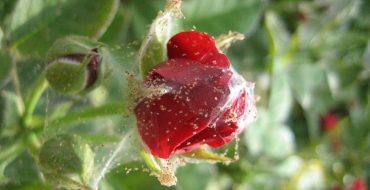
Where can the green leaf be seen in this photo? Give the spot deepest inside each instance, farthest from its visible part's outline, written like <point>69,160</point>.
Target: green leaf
<point>281,99</point>
<point>153,48</point>
<point>279,141</point>
<point>26,186</point>
<point>23,168</point>
<point>199,178</point>
<point>219,16</point>
<point>6,6</point>
<point>131,176</point>
<point>309,82</point>
<point>9,152</point>
<point>279,35</point>
<point>5,66</point>
<point>311,89</point>
<point>118,29</point>
<point>267,137</point>
<point>90,113</point>
<point>145,12</point>
<point>86,154</point>
<point>366,56</point>
<point>311,176</point>
<point>254,137</point>
<point>13,107</point>
<point>66,155</point>
<point>289,166</point>
<point>100,139</point>
<point>123,152</point>
<point>1,36</point>
<point>36,24</point>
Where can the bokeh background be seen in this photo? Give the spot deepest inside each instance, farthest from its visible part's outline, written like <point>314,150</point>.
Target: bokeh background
<point>310,60</point>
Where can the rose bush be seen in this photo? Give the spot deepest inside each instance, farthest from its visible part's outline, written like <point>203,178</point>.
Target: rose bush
<point>199,98</point>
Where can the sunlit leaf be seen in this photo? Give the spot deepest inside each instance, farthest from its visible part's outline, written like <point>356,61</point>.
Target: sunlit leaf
<point>201,174</point>
<point>279,141</point>
<point>279,35</point>
<point>26,186</point>
<point>36,24</point>
<point>266,137</point>
<point>366,56</point>
<point>131,176</point>
<point>1,36</point>
<point>310,176</point>
<point>13,108</point>
<point>280,102</point>
<point>22,169</point>
<point>218,16</point>
<point>6,6</point>
<point>153,48</point>
<point>118,29</point>
<point>64,156</point>
<point>5,66</point>
<point>308,82</point>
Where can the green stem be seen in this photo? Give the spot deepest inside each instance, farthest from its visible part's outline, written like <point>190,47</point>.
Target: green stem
<point>12,150</point>
<point>8,153</point>
<point>16,84</point>
<point>150,161</point>
<point>33,143</point>
<point>36,92</point>
<point>112,108</point>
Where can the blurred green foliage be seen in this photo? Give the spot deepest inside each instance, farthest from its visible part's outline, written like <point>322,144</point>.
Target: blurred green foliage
<point>308,58</point>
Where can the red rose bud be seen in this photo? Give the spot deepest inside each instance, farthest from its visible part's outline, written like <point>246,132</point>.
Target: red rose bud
<point>199,100</point>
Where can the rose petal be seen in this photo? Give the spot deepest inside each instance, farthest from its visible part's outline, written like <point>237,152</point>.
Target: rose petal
<point>215,59</point>
<point>165,122</point>
<point>192,45</point>
<point>184,71</point>
<point>223,130</point>
<point>193,100</point>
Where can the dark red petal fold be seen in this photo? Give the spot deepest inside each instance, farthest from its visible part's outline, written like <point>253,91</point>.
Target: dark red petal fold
<point>184,71</point>
<point>191,102</point>
<point>215,59</point>
<point>225,128</point>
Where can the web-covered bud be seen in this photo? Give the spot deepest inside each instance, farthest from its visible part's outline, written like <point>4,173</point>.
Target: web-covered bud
<point>76,65</point>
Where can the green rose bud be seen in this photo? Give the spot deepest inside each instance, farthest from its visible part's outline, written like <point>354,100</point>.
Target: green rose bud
<point>76,65</point>
<point>67,161</point>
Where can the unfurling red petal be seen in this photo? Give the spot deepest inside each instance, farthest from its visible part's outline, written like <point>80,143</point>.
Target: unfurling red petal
<point>204,101</point>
